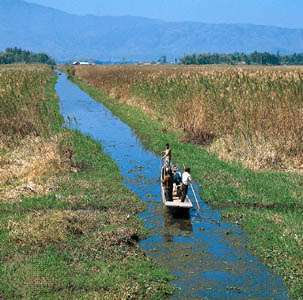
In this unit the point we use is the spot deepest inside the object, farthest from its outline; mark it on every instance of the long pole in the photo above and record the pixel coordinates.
(194, 193)
(195, 196)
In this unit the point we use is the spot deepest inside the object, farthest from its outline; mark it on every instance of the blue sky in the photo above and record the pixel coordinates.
(285, 13)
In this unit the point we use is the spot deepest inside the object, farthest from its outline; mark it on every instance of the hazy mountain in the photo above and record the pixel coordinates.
(67, 36)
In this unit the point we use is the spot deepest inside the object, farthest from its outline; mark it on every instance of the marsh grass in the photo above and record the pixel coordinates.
(248, 114)
(267, 204)
(79, 238)
(25, 109)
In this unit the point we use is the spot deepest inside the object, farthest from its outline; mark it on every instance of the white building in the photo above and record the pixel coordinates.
(86, 63)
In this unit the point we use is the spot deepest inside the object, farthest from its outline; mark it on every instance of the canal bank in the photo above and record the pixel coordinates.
(207, 260)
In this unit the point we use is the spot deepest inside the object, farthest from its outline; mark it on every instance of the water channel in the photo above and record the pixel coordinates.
(207, 255)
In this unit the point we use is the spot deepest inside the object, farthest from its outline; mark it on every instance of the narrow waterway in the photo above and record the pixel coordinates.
(208, 256)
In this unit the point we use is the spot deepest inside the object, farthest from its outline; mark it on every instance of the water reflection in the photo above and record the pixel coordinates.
(175, 225)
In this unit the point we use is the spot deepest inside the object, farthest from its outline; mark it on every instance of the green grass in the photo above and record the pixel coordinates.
(80, 240)
(50, 110)
(269, 205)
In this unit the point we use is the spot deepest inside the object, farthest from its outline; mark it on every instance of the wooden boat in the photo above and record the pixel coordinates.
(176, 205)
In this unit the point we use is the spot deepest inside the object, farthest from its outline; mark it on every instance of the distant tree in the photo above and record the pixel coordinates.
(17, 55)
(261, 58)
(163, 59)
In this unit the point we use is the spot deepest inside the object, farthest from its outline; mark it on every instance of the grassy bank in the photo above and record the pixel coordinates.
(68, 226)
(247, 114)
(269, 205)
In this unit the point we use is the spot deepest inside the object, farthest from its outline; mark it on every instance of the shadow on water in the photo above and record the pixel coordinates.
(207, 255)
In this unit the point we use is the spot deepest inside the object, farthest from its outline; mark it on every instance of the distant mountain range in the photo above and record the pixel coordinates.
(71, 37)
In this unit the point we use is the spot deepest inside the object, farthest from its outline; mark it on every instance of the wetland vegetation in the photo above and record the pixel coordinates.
(255, 125)
(68, 226)
(251, 114)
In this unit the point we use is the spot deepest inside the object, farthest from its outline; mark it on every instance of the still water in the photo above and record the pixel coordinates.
(207, 255)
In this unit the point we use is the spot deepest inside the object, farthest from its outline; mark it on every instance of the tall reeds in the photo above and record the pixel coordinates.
(251, 114)
(22, 101)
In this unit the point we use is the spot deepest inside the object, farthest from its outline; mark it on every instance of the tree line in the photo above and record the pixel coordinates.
(17, 55)
(255, 58)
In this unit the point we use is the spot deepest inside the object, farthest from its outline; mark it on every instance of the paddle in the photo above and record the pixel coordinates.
(192, 188)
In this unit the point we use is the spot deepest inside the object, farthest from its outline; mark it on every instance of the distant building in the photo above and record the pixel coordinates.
(86, 63)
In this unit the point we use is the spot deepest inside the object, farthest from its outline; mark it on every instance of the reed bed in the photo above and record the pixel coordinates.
(30, 157)
(249, 114)
(24, 109)
(60, 205)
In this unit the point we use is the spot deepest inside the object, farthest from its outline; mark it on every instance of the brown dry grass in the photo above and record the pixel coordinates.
(250, 114)
(44, 228)
(29, 157)
(31, 168)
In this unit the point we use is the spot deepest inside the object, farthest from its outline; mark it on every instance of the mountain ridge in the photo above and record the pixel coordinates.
(66, 36)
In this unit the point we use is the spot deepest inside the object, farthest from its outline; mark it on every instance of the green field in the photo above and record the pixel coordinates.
(68, 229)
(267, 204)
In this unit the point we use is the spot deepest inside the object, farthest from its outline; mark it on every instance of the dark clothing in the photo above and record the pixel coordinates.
(184, 189)
(179, 191)
(177, 178)
(169, 194)
(167, 181)
(168, 186)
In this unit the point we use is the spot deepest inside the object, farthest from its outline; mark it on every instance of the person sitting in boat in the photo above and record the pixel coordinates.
(177, 177)
(167, 155)
(177, 180)
(168, 184)
(186, 181)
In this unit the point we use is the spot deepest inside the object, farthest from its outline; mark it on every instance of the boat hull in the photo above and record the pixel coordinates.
(177, 205)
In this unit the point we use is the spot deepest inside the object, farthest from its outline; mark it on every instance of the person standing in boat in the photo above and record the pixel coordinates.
(186, 181)
(167, 155)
